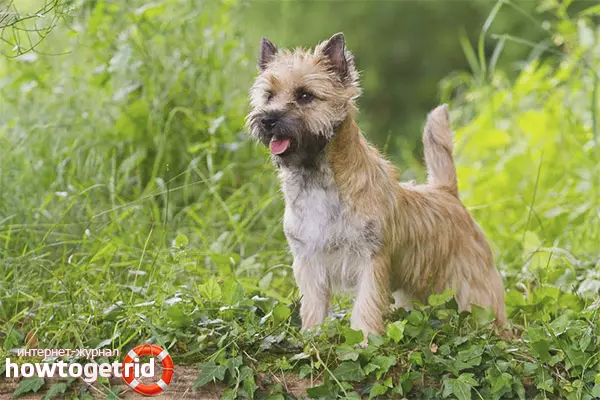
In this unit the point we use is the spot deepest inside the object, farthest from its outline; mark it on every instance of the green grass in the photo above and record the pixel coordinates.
(133, 208)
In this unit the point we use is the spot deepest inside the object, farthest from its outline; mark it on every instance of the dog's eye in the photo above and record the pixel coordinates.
(303, 97)
(270, 96)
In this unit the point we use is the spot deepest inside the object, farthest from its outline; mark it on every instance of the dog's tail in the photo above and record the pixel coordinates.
(437, 143)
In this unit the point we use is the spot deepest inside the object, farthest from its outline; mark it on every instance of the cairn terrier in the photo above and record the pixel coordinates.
(349, 223)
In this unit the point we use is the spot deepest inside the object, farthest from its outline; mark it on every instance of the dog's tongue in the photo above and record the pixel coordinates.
(278, 146)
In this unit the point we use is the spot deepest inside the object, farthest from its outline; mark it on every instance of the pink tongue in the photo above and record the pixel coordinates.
(278, 146)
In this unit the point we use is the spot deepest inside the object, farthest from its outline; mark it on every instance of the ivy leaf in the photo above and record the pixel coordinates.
(229, 394)
(181, 241)
(460, 387)
(482, 315)
(436, 300)
(211, 290)
(55, 389)
(501, 383)
(249, 384)
(305, 371)
(395, 330)
(384, 363)
(209, 372)
(350, 356)
(349, 371)
(232, 292)
(352, 336)
(377, 390)
(27, 385)
(370, 367)
(322, 391)
(375, 341)
(281, 312)
(416, 358)
(469, 358)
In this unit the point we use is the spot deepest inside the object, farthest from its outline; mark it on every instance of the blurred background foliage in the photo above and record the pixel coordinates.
(414, 46)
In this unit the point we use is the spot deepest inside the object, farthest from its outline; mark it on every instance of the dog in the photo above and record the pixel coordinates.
(350, 224)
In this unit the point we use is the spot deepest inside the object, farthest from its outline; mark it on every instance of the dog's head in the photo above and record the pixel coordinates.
(300, 98)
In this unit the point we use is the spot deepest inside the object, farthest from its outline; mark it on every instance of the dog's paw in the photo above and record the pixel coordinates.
(364, 344)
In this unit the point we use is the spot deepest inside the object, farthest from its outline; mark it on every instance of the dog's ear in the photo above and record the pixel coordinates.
(267, 51)
(335, 50)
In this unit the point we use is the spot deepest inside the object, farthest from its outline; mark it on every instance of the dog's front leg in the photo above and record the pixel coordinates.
(314, 288)
(371, 297)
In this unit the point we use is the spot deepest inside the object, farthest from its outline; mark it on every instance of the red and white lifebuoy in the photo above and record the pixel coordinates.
(148, 350)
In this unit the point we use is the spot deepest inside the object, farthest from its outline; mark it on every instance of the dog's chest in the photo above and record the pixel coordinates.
(314, 220)
(322, 230)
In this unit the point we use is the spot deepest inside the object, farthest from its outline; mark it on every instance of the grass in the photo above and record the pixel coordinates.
(133, 209)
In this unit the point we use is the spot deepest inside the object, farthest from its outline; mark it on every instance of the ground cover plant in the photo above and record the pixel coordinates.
(133, 209)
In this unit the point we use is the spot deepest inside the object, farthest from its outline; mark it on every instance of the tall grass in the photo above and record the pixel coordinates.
(112, 151)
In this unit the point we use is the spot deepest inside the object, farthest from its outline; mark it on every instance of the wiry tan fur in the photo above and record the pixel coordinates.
(350, 224)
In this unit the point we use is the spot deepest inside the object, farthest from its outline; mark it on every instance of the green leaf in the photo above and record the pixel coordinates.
(395, 330)
(210, 372)
(377, 390)
(349, 356)
(181, 241)
(462, 390)
(352, 336)
(305, 371)
(27, 385)
(469, 358)
(281, 312)
(370, 367)
(460, 387)
(349, 371)
(482, 315)
(178, 315)
(323, 391)
(55, 389)
(384, 363)
(211, 290)
(229, 394)
(416, 358)
(247, 377)
(595, 10)
(375, 341)
(233, 292)
(501, 383)
(440, 299)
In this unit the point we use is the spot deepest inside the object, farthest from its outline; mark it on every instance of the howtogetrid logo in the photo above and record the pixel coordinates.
(131, 361)
(131, 370)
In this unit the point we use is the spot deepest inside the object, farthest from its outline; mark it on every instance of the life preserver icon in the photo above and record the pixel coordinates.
(148, 350)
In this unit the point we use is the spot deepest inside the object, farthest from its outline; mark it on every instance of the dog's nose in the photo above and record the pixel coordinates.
(269, 121)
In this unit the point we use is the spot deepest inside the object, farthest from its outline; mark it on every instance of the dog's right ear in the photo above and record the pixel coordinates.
(267, 52)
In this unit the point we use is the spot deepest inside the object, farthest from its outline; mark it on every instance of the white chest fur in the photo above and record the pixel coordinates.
(321, 230)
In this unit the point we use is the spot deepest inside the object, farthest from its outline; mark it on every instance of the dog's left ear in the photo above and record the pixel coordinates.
(267, 52)
(335, 50)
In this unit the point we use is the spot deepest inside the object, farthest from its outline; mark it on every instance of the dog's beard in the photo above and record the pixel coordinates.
(305, 148)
